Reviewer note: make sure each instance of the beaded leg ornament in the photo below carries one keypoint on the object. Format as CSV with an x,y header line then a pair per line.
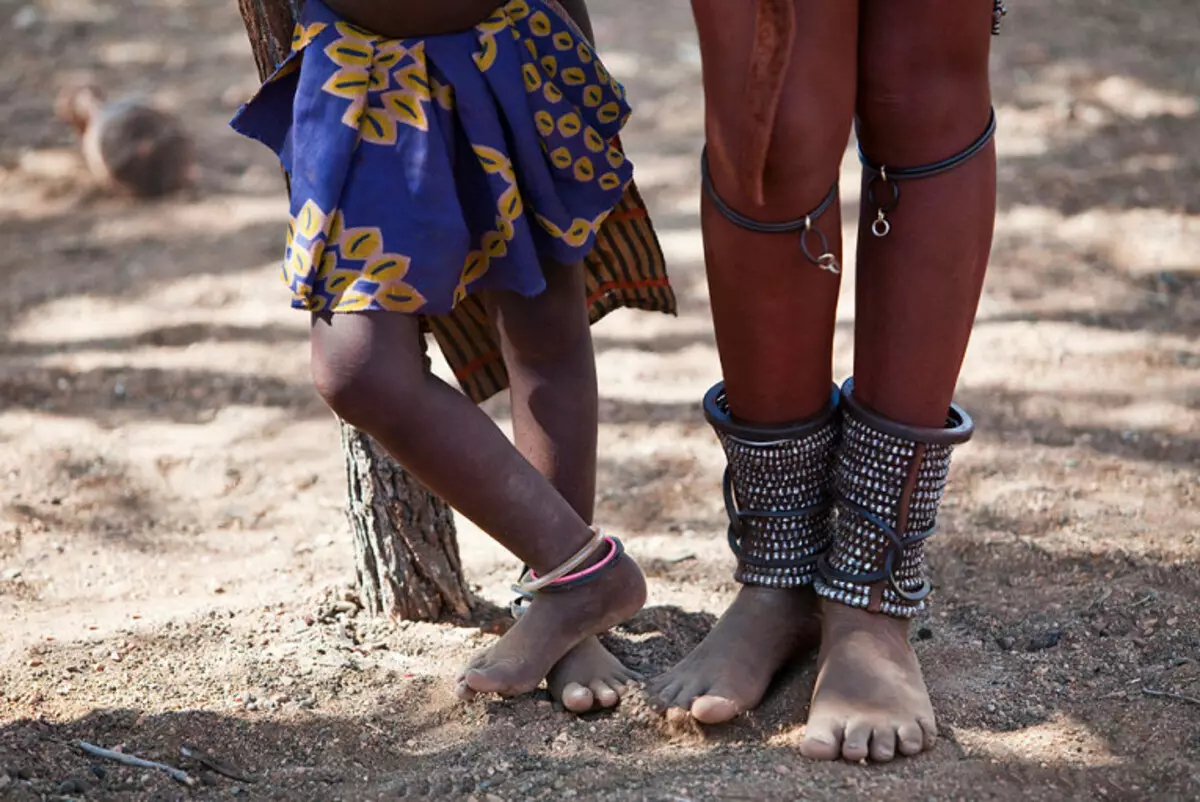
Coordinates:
x,y
999,12
888,482
565,576
777,494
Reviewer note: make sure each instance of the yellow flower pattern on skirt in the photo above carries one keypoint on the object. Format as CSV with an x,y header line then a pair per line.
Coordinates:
x,y
423,170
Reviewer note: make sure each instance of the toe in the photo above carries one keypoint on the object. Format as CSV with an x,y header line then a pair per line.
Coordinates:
x,y
577,698
712,709
856,742
481,681
928,731
656,685
822,739
911,737
667,696
604,694
883,744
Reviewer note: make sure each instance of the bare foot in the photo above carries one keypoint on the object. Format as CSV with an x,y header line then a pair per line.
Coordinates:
x,y
730,671
589,677
553,624
870,699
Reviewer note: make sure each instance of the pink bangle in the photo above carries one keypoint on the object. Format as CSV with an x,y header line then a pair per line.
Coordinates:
x,y
586,572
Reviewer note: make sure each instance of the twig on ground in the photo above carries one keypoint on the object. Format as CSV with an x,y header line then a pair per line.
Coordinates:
x,y
216,764
130,760
1149,597
681,559
1170,695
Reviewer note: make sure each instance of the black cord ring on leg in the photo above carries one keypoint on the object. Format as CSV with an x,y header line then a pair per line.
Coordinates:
x,y
825,260
889,176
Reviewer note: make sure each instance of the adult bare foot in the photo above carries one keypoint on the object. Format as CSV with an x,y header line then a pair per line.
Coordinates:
x,y
589,677
554,623
729,672
870,698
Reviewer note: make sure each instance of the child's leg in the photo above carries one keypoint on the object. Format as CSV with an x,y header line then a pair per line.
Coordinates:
x,y
547,346
369,369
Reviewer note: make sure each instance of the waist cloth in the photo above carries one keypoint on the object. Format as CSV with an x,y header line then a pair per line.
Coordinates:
x,y
425,170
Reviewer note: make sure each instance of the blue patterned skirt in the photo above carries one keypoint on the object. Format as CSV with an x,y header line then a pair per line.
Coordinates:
x,y
423,170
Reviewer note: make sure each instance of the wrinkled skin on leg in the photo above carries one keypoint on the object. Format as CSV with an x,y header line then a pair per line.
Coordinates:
x,y
923,96
554,413
773,310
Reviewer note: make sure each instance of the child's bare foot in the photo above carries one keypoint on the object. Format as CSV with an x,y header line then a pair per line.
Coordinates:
x,y
553,624
589,677
730,671
870,699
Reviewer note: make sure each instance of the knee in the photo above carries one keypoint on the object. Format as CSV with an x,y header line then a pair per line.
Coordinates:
x,y
919,103
359,388
803,160
805,154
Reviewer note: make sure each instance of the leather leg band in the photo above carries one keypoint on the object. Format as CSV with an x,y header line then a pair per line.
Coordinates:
x,y
821,256
888,482
777,492
883,188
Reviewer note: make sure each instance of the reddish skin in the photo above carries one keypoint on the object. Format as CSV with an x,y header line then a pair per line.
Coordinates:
x,y
915,75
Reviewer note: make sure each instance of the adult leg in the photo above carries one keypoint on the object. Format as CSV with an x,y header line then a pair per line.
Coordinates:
x,y
369,369
773,311
554,413
923,101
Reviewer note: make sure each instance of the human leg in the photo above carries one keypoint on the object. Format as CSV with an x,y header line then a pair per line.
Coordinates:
x,y
924,239
369,369
547,348
773,291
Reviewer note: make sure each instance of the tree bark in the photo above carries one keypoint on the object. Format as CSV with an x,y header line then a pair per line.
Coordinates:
x,y
405,544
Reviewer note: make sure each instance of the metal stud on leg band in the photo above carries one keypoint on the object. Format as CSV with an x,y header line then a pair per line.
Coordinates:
x,y
888,480
999,12
823,258
776,493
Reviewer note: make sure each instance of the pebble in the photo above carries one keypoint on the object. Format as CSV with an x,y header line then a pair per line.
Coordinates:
x,y
25,18
1006,643
1046,640
71,786
99,771
5,781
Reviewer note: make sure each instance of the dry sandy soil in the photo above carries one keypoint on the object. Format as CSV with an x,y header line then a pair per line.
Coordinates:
x,y
173,554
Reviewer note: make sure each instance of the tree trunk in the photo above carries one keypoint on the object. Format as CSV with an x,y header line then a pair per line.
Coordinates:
x,y
405,544
404,539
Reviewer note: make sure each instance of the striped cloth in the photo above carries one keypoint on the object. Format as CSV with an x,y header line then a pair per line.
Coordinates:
x,y
625,269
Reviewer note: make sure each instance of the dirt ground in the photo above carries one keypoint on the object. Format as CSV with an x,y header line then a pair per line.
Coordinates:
x,y
173,554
